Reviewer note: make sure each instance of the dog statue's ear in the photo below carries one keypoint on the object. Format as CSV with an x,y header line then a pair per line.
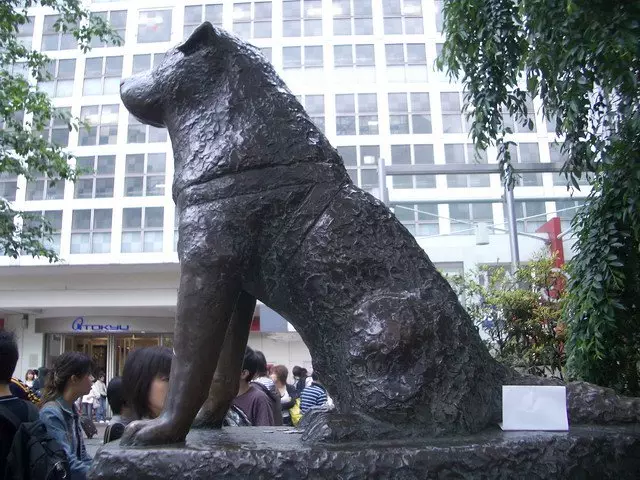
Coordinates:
x,y
204,35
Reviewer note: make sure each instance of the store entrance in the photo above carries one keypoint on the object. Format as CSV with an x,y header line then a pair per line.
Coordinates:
x,y
94,347
108,352
125,344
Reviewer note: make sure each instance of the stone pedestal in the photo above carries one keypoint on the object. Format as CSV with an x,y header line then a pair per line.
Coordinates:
x,y
278,452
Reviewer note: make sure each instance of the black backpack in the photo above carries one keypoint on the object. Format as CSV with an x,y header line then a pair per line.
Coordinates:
x,y
34,454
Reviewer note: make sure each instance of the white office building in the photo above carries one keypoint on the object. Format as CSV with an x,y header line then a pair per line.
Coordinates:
x,y
364,70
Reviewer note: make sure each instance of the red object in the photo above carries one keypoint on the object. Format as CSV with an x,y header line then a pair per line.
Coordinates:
x,y
255,324
553,229
1,323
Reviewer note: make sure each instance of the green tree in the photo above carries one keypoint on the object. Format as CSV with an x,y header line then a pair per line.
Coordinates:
x,y
519,315
25,111
581,58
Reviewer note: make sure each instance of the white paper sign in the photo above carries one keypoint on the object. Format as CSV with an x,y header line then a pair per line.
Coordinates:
x,y
527,407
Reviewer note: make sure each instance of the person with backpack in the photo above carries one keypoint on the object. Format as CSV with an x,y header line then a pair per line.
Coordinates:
x,y
69,379
13,410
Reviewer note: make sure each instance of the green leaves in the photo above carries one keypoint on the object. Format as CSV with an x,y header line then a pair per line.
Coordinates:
x,y
519,315
582,60
25,112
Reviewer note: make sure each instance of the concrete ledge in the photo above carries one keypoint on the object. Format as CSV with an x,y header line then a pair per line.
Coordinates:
x,y
263,452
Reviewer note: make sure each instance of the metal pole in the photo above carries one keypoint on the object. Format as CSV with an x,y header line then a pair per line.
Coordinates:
x,y
513,226
382,181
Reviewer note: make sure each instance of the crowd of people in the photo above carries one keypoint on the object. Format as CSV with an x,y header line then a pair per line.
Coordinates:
x,y
58,398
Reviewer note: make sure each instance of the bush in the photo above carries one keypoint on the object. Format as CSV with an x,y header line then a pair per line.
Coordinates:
x,y
519,316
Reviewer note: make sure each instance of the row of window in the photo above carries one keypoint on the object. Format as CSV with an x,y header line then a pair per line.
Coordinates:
x,y
145,172
144,177
91,230
142,227
423,219
356,114
301,18
361,163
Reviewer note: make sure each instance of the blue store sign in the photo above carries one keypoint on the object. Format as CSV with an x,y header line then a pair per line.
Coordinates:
x,y
79,325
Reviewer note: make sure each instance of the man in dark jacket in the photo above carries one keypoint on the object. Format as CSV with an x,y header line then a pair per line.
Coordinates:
x,y
252,399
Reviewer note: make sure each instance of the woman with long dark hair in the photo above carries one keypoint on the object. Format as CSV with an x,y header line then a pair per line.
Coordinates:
x,y
145,381
68,380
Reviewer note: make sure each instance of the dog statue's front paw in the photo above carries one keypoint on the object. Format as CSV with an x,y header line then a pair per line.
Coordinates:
x,y
151,432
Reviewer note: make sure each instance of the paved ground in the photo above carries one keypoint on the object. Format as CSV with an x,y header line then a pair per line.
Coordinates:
x,y
96,442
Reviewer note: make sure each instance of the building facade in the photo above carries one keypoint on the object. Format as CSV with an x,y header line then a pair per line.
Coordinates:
x,y
363,69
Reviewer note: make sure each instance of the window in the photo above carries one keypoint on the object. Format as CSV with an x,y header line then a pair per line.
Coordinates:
x,y
142,229
91,231
194,15
409,113
530,216
302,57
439,15
42,188
302,18
266,51
517,126
362,165
13,120
352,17
144,175
354,63
8,186
363,113
412,155
402,17
142,63
154,26
441,75
353,56
526,153
252,19
558,156
566,210
551,125
102,76
103,121
52,39
314,105
469,213
54,218
406,63
96,176
465,154
452,121
138,132
420,219
118,21
57,129
25,34
60,82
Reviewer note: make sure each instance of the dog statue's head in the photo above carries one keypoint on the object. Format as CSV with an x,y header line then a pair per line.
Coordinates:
x,y
210,65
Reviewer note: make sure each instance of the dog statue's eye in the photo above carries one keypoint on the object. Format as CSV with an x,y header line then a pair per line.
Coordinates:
x,y
202,36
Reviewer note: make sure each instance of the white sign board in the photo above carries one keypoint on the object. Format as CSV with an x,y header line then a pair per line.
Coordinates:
x,y
527,407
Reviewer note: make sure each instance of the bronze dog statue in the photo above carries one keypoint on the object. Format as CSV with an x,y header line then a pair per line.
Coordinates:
x,y
267,211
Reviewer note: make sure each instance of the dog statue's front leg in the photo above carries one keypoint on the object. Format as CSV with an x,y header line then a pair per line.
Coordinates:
x,y
206,300
226,380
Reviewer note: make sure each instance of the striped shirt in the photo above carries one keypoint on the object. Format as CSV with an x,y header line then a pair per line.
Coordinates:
x,y
312,396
